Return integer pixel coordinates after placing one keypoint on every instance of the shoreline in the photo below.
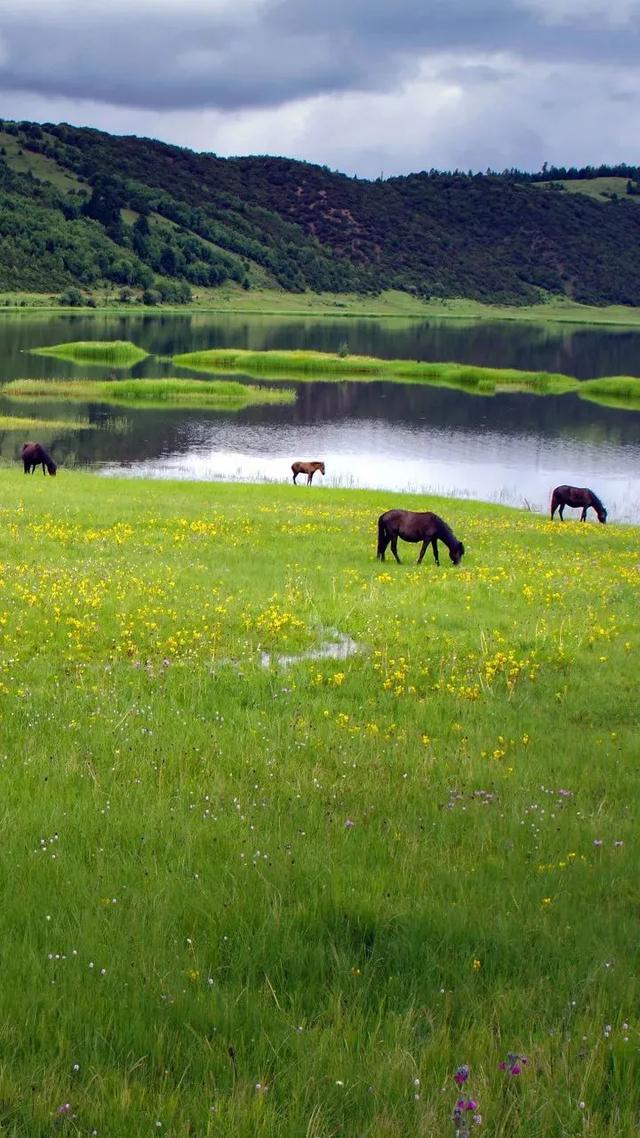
(391, 305)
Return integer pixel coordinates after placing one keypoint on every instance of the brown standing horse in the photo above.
(427, 528)
(308, 468)
(34, 454)
(577, 497)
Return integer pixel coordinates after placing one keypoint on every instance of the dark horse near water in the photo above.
(577, 497)
(32, 455)
(308, 468)
(427, 528)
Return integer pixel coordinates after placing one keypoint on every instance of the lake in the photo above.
(511, 448)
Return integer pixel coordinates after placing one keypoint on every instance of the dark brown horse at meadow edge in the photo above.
(427, 528)
(577, 497)
(34, 454)
(308, 468)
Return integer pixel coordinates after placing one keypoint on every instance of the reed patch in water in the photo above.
(101, 353)
(29, 423)
(151, 392)
(613, 391)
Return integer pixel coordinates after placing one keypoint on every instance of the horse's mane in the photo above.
(446, 533)
(595, 501)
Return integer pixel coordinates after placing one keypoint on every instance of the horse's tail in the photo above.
(382, 533)
(554, 502)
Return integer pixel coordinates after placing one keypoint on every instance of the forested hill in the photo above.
(82, 208)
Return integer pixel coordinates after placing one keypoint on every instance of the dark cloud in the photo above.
(366, 86)
(187, 54)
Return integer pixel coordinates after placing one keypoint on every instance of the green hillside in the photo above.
(83, 209)
(602, 189)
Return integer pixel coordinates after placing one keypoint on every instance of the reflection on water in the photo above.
(576, 350)
(517, 468)
(512, 448)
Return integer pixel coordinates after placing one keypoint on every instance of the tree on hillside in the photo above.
(105, 202)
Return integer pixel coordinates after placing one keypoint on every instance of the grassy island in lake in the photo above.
(218, 394)
(101, 353)
(31, 423)
(307, 365)
(327, 366)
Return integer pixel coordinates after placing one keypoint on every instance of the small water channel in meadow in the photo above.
(511, 448)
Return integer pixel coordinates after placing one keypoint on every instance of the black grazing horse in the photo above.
(308, 468)
(577, 497)
(32, 455)
(426, 528)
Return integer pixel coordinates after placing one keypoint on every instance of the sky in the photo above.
(369, 87)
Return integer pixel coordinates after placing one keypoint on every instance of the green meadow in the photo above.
(290, 835)
(150, 392)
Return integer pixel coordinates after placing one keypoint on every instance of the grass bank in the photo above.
(327, 365)
(107, 353)
(388, 304)
(392, 303)
(150, 392)
(294, 899)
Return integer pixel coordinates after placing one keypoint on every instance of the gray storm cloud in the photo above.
(187, 54)
(365, 86)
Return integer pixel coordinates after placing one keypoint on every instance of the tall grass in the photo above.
(105, 353)
(279, 901)
(151, 392)
(326, 365)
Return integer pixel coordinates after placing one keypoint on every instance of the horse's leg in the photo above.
(423, 550)
(310, 476)
(394, 548)
(561, 512)
(434, 542)
(583, 515)
(295, 476)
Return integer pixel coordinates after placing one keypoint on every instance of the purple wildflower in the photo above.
(461, 1075)
(514, 1063)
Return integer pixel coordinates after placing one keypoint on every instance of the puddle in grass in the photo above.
(338, 648)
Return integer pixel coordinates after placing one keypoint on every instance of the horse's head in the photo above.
(322, 467)
(602, 515)
(51, 467)
(455, 553)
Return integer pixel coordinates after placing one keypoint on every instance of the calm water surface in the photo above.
(510, 448)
